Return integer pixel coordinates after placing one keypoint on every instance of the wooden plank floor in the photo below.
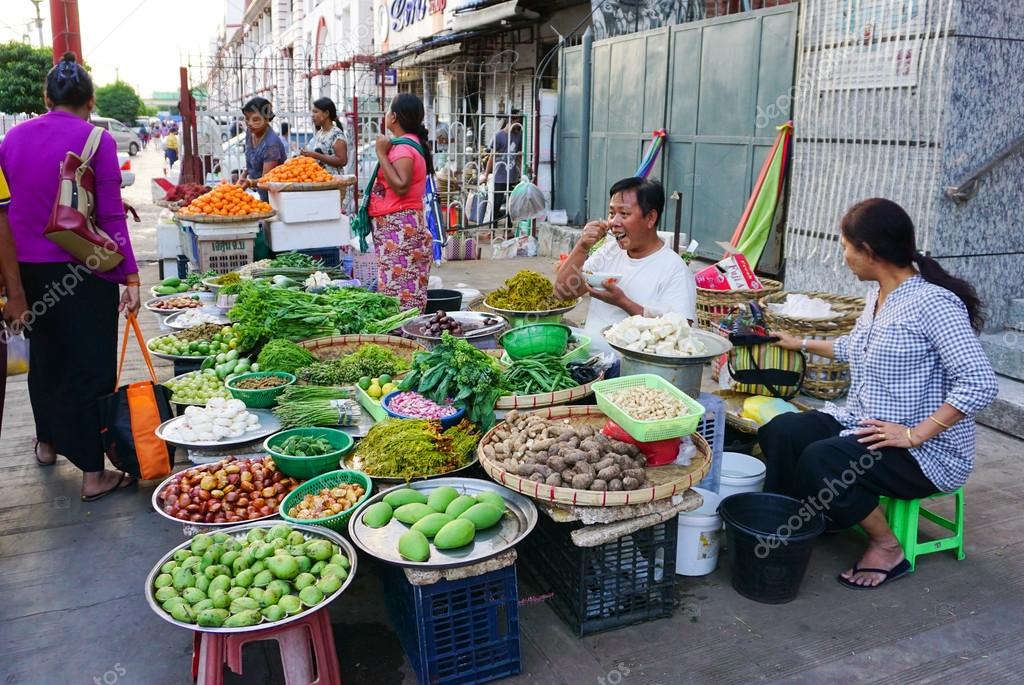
(72, 608)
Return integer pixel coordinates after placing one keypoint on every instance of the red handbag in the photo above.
(72, 223)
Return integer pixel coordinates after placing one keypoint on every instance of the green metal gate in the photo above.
(718, 87)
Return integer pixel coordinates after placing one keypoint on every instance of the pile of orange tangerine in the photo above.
(298, 170)
(226, 200)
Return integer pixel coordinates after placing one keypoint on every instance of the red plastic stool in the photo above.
(213, 650)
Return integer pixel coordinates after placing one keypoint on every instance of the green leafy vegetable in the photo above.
(457, 371)
(284, 355)
(409, 448)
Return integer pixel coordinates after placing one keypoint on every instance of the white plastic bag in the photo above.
(17, 352)
(526, 201)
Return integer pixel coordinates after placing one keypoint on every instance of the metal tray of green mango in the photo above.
(519, 519)
(239, 533)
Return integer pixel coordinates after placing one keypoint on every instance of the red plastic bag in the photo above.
(658, 453)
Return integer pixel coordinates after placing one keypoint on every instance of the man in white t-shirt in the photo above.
(654, 279)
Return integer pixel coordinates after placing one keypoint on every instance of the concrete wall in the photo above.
(908, 138)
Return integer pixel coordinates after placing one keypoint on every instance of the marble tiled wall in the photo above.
(978, 109)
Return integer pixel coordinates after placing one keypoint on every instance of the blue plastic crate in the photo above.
(457, 631)
(712, 429)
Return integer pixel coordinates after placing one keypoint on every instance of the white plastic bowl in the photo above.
(596, 280)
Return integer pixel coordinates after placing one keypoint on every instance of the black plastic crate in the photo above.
(457, 631)
(329, 256)
(627, 581)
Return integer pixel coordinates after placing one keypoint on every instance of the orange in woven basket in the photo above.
(226, 200)
(298, 170)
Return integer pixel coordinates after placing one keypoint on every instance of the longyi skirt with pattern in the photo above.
(404, 247)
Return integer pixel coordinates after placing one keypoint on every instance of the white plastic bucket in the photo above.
(699, 534)
(740, 473)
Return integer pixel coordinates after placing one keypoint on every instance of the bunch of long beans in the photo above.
(538, 373)
(305, 393)
(318, 413)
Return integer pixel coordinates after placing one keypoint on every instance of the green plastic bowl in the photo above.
(538, 338)
(331, 479)
(305, 468)
(259, 399)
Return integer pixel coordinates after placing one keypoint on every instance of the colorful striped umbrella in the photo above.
(651, 156)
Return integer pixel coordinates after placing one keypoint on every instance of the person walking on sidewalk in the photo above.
(69, 312)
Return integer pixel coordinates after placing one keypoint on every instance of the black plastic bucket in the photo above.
(443, 301)
(769, 539)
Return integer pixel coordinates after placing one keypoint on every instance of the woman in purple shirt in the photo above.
(69, 312)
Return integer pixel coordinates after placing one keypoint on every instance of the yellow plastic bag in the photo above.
(761, 409)
(17, 352)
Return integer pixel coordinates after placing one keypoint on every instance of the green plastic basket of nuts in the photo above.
(335, 482)
(257, 397)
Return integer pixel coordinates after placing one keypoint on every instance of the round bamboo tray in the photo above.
(540, 400)
(218, 219)
(664, 481)
(293, 187)
(340, 345)
(714, 305)
(825, 379)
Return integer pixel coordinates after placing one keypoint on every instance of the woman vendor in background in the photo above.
(264, 149)
(918, 377)
(328, 146)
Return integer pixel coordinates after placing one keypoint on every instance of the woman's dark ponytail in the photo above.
(933, 272)
(886, 230)
(424, 137)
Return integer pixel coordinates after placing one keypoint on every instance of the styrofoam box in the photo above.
(167, 243)
(214, 230)
(307, 206)
(283, 236)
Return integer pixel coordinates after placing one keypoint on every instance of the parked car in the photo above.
(231, 163)
(127, 175)
(127, 139)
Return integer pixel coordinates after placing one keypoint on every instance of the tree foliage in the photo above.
(23, 70)
(119, 101)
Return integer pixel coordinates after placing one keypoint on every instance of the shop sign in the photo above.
(405, 13)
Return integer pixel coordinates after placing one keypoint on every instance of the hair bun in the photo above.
(69, 57)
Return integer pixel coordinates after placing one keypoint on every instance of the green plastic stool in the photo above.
(903, 516)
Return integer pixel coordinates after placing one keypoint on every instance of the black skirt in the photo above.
(72, 329)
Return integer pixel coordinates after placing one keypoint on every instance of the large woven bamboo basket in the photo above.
(664, 481)
(339, 345)
(714, 305)
(825, 378)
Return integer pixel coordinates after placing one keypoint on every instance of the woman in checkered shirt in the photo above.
(918, 376)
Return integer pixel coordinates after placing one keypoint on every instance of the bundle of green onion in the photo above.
(300, 414)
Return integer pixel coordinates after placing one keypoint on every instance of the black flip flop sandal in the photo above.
(898, 571)
(118, 486)
(35, 451)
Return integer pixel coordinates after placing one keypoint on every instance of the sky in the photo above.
(143, 41)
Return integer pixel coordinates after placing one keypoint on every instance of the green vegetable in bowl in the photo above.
(304, 446)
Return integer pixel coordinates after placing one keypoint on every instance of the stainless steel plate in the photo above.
(269, 424)
(172, 320)
(546, 312)
(206, 298)
(239, 533)
(469, 320)
(520, 518)
(158, 504)
(715, 345)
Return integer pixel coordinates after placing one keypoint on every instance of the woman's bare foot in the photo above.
(45, 454)
(885, 555)
(102, 482)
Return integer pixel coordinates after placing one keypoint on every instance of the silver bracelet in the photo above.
(803, 346)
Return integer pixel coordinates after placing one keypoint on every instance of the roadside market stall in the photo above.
(318, 410)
